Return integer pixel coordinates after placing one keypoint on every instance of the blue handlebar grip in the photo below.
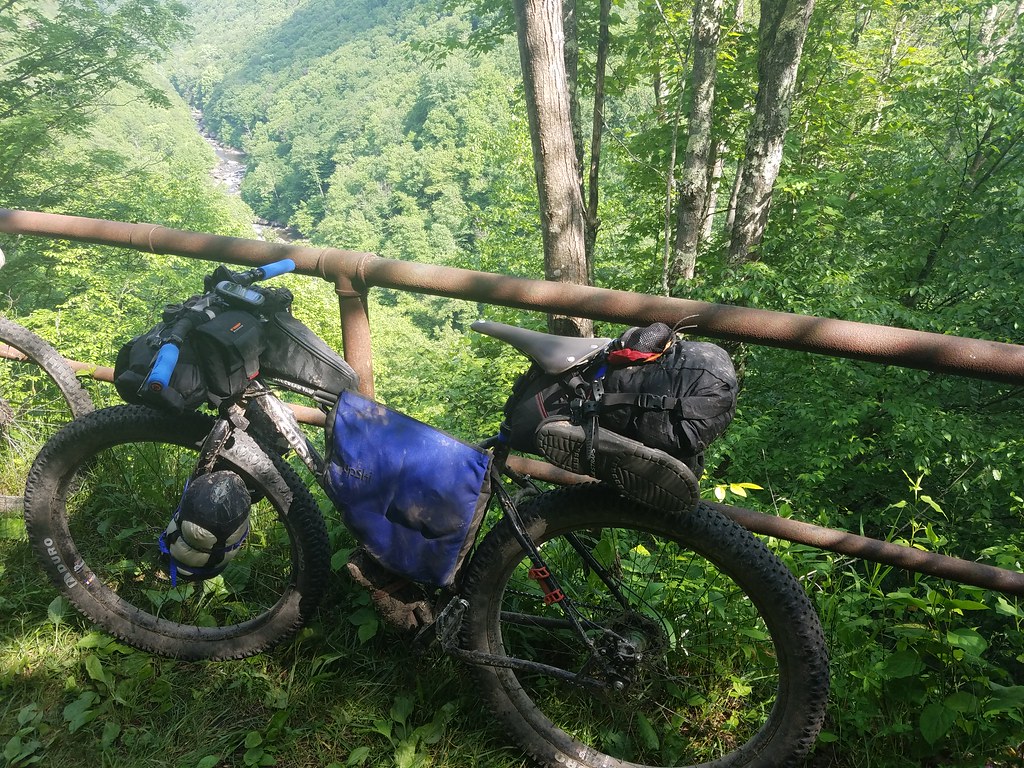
(277, 268)
(163, 367)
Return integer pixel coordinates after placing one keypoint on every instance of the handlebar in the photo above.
(167, 356)
(274, 269)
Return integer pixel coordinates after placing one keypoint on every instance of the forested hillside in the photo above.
(400, 127)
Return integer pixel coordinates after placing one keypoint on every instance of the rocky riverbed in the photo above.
(229, 172)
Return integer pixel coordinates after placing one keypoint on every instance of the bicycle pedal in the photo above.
(449, 622)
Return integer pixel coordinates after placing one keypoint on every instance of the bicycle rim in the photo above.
(702, 647)
(118, 505)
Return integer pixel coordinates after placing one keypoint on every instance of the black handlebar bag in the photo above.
(228, 348)
(216, 361)
(134, 360)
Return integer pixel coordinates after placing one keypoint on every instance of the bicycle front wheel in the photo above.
(692, 644)
(39, 394)
(104, 489)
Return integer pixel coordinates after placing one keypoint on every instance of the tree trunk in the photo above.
(734, 195)
(692, 203)
(541, 37)
(592, 223)
(716, 165)
(571, 34)
(782, 31)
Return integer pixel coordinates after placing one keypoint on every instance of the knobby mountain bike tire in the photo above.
(39, 394)
(103, 490)
(708, 651)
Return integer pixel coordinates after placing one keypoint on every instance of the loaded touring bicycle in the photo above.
(609, 623)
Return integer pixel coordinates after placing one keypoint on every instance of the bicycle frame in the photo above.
(258, 402)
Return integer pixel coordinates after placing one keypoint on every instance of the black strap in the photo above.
(646, 400)
(689, 407)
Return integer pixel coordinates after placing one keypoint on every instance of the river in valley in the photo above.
(229, 172)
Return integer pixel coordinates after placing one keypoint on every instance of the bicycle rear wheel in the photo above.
(104, 489)
(704, 649)
(39, 394)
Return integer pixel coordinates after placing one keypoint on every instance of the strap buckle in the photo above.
(652, 402)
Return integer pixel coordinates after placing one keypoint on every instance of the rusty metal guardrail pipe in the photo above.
(838, 338)
(844, 543)
(353, 273)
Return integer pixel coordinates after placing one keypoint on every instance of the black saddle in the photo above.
(554, 354)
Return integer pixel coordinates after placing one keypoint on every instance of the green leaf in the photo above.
(253, 739)
(1005, 699)
(646, 732)
(368, 630)
(210, 761)
(94, 640)
(1006, 608)
(27, 713)
(936, 720)
(966, 605)
(57, 609)
(961, 701)
(967, 639)
(12, 749)
(401, 709)
(111, 730)
(339, 558)
(903, 664)
(358, 756)
(94, 668)
(79, 712)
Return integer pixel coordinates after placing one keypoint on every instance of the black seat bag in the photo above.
(678, 403)
(683, 400)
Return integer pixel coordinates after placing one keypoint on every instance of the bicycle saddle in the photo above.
(554, 354)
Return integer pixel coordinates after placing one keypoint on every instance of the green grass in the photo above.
(71, 696)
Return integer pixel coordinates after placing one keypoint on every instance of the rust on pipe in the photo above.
(895, 346)
(355, 339)
(840, 542)
(355, 332)
(98, 372)
(887, 553)
(839, 338)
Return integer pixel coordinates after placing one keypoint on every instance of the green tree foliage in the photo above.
(369, 146)
(142, 163)
(59, 59)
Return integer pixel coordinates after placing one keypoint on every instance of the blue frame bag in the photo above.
(412, 495)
